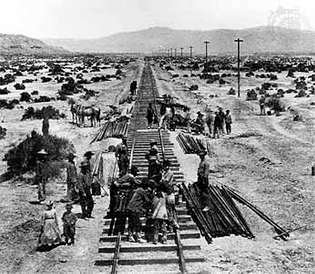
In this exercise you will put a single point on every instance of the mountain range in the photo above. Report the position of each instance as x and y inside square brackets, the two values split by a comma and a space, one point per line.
[159, 39]
[256, 40]
[11, 44]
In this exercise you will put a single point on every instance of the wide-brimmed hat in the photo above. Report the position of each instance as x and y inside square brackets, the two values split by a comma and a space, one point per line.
[202, 153]
[88, 153]
[42, 152]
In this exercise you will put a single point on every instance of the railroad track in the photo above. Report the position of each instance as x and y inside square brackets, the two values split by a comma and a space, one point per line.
[183, 245]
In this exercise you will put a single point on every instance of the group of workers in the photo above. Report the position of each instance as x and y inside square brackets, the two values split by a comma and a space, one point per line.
[212, 124]
[152, 197]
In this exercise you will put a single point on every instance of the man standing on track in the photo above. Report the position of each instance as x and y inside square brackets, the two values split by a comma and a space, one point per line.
[203, 180]
[153, 157]
[150, 115]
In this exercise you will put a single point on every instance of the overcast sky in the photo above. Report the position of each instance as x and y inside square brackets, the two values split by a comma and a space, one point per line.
[97, 18]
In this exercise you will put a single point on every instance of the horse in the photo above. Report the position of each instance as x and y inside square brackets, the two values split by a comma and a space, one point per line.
[92, 112]
[79, 113]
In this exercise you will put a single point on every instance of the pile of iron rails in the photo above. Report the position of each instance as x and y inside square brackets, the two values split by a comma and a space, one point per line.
[191, 144]
[113, 128]
[224, 217]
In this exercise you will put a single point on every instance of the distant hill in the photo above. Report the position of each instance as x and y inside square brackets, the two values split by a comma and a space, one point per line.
[260, 39]
[11, 44]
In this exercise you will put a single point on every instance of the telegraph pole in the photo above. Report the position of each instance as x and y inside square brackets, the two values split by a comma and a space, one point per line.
[181, 52]
[171, 52]
[238, 41]
[190, 48]
[175, 52]
[168, 52]
[206, 42]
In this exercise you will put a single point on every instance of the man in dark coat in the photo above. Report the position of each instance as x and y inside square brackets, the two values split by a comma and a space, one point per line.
[153, 157]
[45, 126]
[84, 187]
[216, 125]
[203, 180]
[72, 177]
[150, 115]
[41, 174]
[138, 206]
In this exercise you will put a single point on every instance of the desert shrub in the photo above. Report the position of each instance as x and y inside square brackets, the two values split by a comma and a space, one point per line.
[49, 111]
[275, 103]
[22, 158]
[43, 99]
[19, 86]
[25, 97]
[8, 104]
[193, 87]
[4, 91]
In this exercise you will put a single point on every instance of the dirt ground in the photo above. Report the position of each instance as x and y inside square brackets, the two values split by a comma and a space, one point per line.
[19, 226]
[271, 168]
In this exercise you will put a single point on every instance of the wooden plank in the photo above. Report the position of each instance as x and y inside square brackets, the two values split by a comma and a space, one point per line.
[144, 261]
[147, 248]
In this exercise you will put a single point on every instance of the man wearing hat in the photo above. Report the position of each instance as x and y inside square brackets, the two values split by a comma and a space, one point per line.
[72, 177]
[41, 174]
[84, 187]
[200, 123]
[209, 120]
[121, 154]
[203, 179]
[153, 157]
[127, 183]
[87, 157]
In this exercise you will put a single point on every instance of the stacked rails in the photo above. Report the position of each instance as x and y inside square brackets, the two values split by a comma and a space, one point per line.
[182, 247]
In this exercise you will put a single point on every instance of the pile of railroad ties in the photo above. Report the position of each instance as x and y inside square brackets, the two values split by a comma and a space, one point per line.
[193, 145]
[117, 127]
[224, 217]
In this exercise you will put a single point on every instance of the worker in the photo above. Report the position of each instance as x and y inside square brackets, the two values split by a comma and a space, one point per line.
[72, 177]
[41, 174]
[171, 190]
[199, 123]
[228, 122]
[203, 180]
[153, 157]
[45, 126]
[216, 125]
[221, 115]
[151, 115]
[127, 182]
[209, 120]
[84, 187]
[262, 105]
[139, 204]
